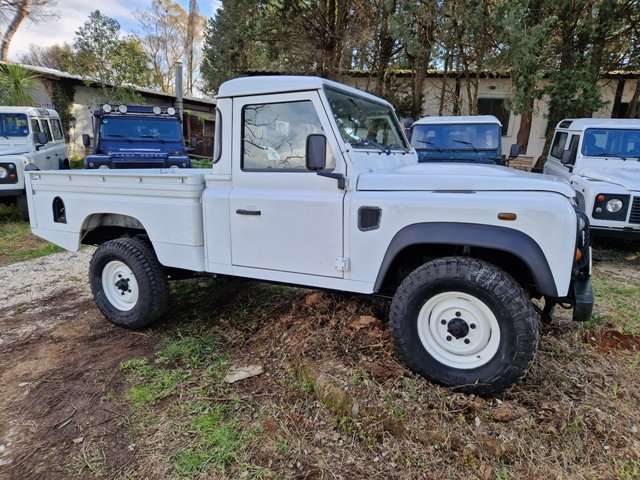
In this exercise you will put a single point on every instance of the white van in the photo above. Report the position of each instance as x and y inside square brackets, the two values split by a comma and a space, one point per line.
[30, 139]
[600, 159]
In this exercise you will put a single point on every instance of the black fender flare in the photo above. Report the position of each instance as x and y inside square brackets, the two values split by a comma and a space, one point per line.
[495, 237]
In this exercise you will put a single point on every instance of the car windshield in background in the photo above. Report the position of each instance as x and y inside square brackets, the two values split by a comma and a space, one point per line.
[609, 142]
[114, 128]
[364, 123]
[456, 137]
[13, 125]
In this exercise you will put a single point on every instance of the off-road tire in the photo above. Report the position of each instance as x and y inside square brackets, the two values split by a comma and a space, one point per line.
[22, 206]
[516, 317]
[153, 287]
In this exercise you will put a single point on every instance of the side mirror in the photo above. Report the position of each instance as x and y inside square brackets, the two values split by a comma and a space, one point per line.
[86, 140]
[41, 138]
[515, 151]
[316, 152]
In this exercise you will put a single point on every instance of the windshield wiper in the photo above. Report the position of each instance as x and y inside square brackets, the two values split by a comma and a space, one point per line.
[373, 143]
[464, 142]
[614, 155]
[427, 142]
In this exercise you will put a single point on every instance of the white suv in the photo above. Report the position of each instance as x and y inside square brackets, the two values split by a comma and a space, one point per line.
[30, 139]
[600, 159]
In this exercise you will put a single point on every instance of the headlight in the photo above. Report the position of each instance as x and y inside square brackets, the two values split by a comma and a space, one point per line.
[4, 173]
[614, 205]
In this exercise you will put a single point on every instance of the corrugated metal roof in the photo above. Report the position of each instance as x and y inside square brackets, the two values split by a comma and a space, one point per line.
[53, 73]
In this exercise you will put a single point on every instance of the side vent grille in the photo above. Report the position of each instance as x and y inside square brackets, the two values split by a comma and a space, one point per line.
[369, 218]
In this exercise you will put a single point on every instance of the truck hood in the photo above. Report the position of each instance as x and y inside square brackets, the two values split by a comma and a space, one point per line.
[459, 177]
[627, 178]
[13, 150]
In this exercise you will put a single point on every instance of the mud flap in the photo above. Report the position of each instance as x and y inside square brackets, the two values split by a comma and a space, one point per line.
[583, 295]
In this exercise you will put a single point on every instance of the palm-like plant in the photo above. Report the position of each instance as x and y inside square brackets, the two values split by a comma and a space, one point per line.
[17, 85]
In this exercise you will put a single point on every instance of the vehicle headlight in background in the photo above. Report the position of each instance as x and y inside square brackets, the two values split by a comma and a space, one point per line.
[122, 108]
[106, 108]
[171, 111]
[611, 206]
[4, 173]
[614, 205]
[157, 110]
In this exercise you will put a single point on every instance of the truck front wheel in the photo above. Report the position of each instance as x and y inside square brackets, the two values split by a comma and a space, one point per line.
[128, 283]
[465, 324]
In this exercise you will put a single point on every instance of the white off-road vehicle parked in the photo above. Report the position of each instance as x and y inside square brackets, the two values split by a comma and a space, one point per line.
[600, 159]
[30, 139]
[315, 184]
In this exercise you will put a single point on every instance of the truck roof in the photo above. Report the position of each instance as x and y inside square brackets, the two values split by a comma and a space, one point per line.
[36, 111]
[584, 123]
[267, 84]
[457, 119]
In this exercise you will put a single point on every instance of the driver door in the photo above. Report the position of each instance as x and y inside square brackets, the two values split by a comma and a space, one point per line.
[283, 216]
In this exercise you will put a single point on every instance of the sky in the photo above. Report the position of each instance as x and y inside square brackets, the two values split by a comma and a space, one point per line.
[71, 14]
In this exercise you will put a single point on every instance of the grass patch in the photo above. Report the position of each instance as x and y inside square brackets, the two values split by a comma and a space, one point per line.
[186, 373]
[16, 241]
[151, 383]
[617, 304]
[216, 441]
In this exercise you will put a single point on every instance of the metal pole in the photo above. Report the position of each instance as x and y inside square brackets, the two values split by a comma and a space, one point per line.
[179, 103]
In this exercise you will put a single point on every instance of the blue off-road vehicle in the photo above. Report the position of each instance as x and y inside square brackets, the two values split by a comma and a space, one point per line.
[136, 136]
[471, 139]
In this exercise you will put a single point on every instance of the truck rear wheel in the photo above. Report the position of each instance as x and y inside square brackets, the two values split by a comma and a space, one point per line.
[128, 283]
[465, 324]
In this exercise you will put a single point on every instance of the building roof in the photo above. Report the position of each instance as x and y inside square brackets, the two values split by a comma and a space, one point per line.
[584, 123]
[59, 74]
[452, 119]
[267, 84]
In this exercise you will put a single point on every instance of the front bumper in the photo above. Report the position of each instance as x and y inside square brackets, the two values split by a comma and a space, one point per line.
[136, 162]
[12, 193]
[617, 233]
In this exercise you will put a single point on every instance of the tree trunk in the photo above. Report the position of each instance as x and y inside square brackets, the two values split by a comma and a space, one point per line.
[444, 84]
[22, 11]
[191, 27]
[524, 132]
[632, 111]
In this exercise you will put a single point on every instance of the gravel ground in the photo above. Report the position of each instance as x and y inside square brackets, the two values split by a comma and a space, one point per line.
[28, 283]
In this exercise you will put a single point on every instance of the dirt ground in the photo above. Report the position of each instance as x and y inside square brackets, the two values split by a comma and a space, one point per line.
[83, 399]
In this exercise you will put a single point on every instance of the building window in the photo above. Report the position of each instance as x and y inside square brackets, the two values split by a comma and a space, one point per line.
[496, 107]
[274, 136]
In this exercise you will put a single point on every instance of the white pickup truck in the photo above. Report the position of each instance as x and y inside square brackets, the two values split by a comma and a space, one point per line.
[600, 159]
[314, 184]
[30, 139]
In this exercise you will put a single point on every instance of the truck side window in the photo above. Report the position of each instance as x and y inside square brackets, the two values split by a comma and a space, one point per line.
[217, 138]
[274, 136]
[47, 129]
[56, 128]
[35, 126]
[559, 142]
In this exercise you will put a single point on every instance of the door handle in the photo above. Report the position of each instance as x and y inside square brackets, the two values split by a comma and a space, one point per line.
[242, 211]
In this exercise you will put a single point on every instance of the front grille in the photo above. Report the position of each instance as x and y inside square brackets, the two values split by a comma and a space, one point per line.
[138, 165]
[635, 211]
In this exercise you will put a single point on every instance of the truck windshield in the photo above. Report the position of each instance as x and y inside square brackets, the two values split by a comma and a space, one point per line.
[13, 125]
[140, 128]
[611, 142]
[456, 137]
[364, 123]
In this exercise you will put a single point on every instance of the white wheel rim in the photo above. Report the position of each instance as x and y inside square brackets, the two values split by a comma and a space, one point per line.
[458, 330]
[119, 285]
